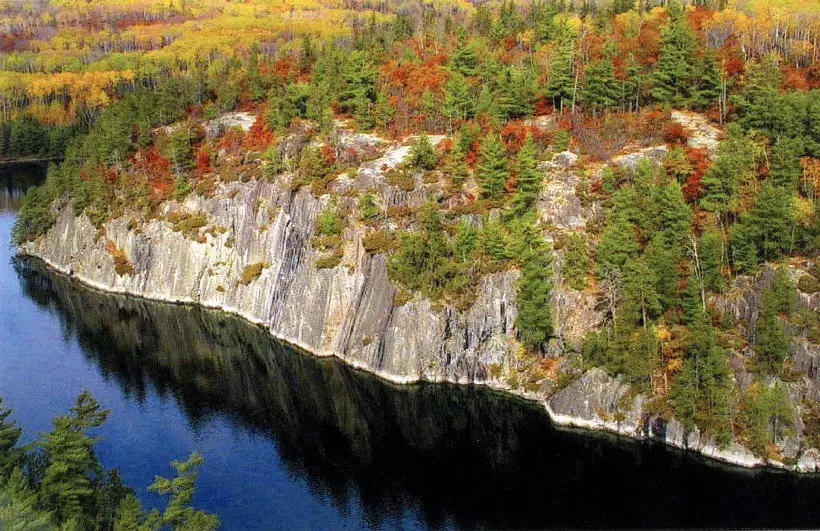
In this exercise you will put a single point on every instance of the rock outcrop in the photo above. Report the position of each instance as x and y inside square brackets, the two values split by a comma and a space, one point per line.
[248, 248]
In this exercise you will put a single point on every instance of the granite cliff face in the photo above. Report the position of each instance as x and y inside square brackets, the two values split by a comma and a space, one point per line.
[253, 255]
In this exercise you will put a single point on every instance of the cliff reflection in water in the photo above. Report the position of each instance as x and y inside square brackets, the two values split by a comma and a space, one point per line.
[458, 455]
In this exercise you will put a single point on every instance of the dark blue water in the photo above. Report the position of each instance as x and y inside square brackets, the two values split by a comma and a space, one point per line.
[292, 441]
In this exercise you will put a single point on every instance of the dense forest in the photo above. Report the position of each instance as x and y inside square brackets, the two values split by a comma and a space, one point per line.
[126, 92]
[57, 481]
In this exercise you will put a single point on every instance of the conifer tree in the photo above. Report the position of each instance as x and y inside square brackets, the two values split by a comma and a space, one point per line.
[534, 320]
[601, 91]
[672, 80]
[72, 466]
[771, 346]
[463, 59]
[179, 514]
[529, 178]
[561, 84]
[493, 171]
[708, 82]
[639, 291]
[10, 433]
[456, 166]
[458, 101]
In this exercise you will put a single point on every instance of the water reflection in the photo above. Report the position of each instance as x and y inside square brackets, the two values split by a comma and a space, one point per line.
[15, 179]
[457, 455]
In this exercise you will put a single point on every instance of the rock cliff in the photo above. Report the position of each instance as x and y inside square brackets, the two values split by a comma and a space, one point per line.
[252, 254]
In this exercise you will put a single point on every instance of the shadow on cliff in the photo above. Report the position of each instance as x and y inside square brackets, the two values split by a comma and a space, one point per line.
[457, 455]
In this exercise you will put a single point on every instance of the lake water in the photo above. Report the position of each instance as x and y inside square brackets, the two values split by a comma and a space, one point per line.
[294, 441]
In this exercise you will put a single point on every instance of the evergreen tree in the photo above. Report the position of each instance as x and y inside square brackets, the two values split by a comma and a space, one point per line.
[702, 390]
[456, 166]
[721, 183]
[710, 253]
[254, 84]
[10, 433]
[767, 415]
[18, 506]
[463, 59]
[639, 291]
[758, 104]
[577, 263]
[178, 513]
[771, 345]
[534, 321]
[601, 91]
[422, 154]
[618, 243]
[561, 84]
[529, 178]
[768, 225]
[458, 100]
[783, 292]
[72, 466]
[707, 83]
[672, 80]
[493, 171]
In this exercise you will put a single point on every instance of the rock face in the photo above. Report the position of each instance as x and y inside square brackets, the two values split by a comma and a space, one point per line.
[251, 253]
[346, 311]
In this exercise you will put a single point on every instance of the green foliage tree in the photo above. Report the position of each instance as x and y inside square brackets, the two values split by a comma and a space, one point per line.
[10, 433]
[577, 262]
[72, 466]
[771, 345]
[703, 389]
[534, 321]
[179, 514]
[493, 171]
[529, 178]
[672, 80]
[423, 155]
[767, 416]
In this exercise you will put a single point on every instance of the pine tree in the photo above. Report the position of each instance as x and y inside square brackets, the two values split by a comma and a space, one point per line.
[422, 154]
[672, 80]
[10, 433]
[577, 263]
[130, 516]
[673, 214]
[254, 84]
[463, 59]
[178, 513]
[702, 391]
[708, 82]
[721, 183]
[458, 100]
[493, 171]
[534, 320]
[639, 291]
[72, 466]
[456, 166]
[758, 103]
[18, 506]
[601, 91]
[771, 346]
[561, 84]
[618, 242]
[529, 178]
[768, 225]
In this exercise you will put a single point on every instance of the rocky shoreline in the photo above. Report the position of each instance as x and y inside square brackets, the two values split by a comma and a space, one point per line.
[589, 402]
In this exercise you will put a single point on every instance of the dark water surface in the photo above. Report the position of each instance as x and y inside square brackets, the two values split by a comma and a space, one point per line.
[293, 441]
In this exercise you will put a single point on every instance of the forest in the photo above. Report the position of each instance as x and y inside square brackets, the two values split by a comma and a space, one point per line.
[486, 92]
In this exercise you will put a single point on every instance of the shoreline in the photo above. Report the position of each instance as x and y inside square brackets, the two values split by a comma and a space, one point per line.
[559, 420]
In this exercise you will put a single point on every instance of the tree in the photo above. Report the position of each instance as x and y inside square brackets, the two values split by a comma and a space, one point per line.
[767, 227]
[601, 91]
[72, 466]
[458, 100]
[702, 390]
[18, 506]
[493, 171]
[529, 178]
[463, 59]
[767, 416]
[422, 154]
[639, 290]
[178, 513]
[10, 433]
[708, 82]
[771, 345]
[721, 182]
[672, 80]
[456, 166]
[577, 263]
[618, 243]
[561, 84]
[534, 321]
